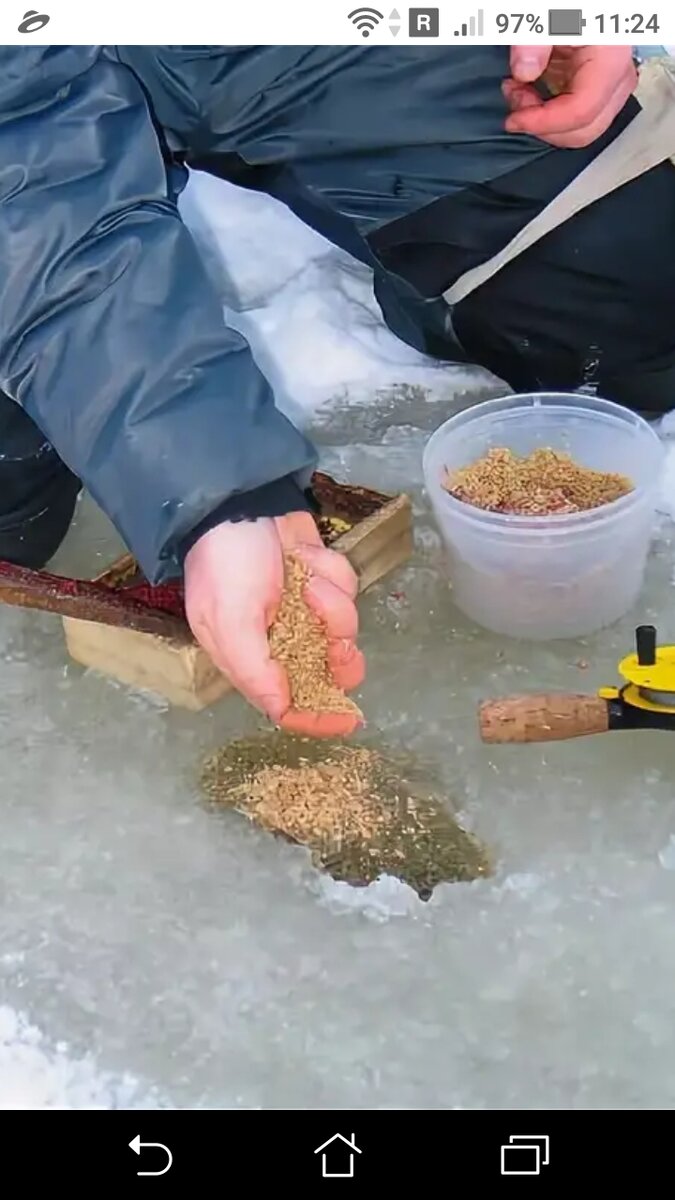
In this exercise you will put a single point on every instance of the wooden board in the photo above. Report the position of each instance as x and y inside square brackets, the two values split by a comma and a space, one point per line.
[181, 671]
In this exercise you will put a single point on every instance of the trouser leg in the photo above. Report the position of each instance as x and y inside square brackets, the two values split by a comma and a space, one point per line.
[37, 491]
[592, 303]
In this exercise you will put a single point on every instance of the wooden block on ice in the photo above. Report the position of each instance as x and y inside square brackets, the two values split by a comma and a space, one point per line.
[372, 529]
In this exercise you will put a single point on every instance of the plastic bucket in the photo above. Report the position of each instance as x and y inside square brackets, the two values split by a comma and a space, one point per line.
[547, 577]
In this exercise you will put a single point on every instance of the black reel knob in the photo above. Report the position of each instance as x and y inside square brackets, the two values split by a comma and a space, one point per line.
[645, 645]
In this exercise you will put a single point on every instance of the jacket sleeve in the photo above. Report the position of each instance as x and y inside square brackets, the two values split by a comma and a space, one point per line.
[111, 335]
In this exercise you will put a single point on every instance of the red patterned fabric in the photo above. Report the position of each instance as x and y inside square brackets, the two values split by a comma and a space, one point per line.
[166, 596]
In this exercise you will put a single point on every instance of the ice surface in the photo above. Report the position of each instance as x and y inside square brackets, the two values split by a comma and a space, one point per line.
[34, 1077]
[164, 952]
[667, 854]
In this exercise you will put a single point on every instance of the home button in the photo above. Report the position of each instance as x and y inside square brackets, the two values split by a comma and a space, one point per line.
[338, 1156]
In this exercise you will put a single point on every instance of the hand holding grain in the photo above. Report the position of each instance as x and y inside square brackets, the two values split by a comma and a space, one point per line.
[234, 584]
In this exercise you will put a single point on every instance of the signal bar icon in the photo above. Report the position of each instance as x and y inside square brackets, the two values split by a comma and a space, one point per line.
[473, 28]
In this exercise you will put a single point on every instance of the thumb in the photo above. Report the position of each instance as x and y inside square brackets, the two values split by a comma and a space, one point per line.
[244, 657]
[529, 62]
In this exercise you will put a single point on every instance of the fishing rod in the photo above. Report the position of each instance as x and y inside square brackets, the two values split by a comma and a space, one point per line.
[645, 701]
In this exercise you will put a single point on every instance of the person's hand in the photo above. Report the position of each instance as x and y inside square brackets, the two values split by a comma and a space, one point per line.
[234, 577]
[591, 85]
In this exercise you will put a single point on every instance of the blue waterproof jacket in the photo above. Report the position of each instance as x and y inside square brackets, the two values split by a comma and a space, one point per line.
[111, 336]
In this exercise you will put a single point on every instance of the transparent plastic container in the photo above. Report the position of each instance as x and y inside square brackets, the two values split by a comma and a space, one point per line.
[547, 577]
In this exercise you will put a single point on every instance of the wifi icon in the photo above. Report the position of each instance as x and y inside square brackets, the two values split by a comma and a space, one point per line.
[365, 20]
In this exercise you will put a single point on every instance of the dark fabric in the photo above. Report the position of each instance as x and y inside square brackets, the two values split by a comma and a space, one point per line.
[369, 133]
[37, 492]
[112, 335]
[592, 303]
[272, 500]
[113, 340]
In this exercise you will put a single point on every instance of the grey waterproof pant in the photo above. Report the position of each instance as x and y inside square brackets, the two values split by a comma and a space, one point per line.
[37, 492]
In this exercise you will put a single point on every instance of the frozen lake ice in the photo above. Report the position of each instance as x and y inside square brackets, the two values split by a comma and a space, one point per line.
[153, 954]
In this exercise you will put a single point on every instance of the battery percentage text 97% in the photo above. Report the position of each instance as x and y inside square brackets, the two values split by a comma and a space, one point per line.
[512, 22]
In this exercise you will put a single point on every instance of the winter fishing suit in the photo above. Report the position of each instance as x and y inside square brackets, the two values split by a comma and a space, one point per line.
[117, 368]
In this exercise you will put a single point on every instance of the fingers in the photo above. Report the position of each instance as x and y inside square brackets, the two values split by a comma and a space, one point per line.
[298, 529]
[529, 62]
[246, 662]
[520, 95]
[332, 599]
[348, 667]
[347, 664]
[233, 584]
[559, 129]
[263, 682]
[233, 576]
[571, 112]
[602, 81]
[255, 674]
[331, 566]
[336, 611]
[319, 725]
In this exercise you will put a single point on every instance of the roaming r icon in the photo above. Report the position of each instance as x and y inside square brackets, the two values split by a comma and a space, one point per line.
[525, 1154]
[423, 22]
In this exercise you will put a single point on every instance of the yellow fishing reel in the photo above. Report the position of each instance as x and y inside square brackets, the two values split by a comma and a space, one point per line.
[646, 701]
[649, 674]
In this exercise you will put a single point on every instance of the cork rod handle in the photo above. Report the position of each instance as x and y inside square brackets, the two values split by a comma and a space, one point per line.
[548, 717]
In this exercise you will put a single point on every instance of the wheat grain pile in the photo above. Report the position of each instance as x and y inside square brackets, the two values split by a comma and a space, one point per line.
[329, 802]
[544, 483]
[298, 641]
[360, 813]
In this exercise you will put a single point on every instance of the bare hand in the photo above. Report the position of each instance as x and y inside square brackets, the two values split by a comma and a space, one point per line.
[592, 84]
[234, 577]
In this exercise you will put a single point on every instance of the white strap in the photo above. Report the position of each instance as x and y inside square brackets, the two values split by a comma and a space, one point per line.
[648, 141]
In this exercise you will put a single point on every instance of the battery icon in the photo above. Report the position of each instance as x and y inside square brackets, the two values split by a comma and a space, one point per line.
[565, 22]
